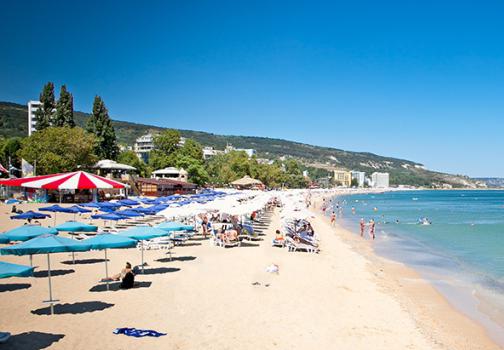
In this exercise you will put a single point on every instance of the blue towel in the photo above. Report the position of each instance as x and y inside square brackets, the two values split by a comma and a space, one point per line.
[137, 333]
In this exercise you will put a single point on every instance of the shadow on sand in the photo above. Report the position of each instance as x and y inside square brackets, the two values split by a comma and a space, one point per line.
[177, 258]
[54, 273]
[31, 341]
[84, 261]
[248, 244]
[155, 271]
[115, 286]
[75, 308]
[13, 286]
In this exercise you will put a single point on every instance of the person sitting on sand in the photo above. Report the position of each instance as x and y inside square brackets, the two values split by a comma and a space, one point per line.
[126, 276]
[279, 236]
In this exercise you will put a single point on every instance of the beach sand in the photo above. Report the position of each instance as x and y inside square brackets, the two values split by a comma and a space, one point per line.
[343, 298]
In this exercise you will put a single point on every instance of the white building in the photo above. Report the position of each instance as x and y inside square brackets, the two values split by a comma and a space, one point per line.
[250, 151]
[170, 173]
[33, 106]
[143, 145]
[210, 152]
[360, 176]
[380, 180]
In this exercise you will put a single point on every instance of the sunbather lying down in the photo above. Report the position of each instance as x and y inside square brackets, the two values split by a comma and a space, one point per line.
[228, 236]
[126, 276]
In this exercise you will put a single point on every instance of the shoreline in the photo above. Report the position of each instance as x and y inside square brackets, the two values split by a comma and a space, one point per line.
[437, 318]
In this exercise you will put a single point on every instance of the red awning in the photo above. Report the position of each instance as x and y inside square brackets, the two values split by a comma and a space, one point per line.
[78, 180]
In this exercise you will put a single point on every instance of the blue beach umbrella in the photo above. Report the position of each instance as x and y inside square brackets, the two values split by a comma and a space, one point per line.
[55, 209]
[109, 205]
[143, 210]
[109, 241]
[14, 270]
[90, 205]
[128, 213]
[79, 209]
[29, 215]
[174, 226]
[127, 202]
[75, 226]
[27, 232]
[109, 216]
[46, 244]
[143, 233]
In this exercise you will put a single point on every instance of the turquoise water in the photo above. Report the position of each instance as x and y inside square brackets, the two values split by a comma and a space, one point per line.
[463, 247]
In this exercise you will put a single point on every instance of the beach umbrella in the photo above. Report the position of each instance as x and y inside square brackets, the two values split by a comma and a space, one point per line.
[12, 201]
[27, 232]
[143, 233]
[109, 216]
[55, 209]
[75, 226]
[79, 209]
[29, 215]
[109, 241]
[46, 244]
[174, 226]
[91, 205]
[77, 180]
[14, 270]
[109, 205]
[143, 210]
[127, 202]
[128, 213]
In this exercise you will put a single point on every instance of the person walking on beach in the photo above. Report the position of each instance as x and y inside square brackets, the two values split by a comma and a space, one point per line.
[362, 227]
[372, 228]
[333, 218]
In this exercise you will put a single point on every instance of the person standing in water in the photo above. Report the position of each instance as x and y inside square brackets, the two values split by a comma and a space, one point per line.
[362, 227]
[372, 228]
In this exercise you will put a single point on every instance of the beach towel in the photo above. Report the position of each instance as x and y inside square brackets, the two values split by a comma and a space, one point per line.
[138, 333]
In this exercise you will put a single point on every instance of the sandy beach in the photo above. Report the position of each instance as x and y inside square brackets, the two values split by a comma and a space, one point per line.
[345, 297]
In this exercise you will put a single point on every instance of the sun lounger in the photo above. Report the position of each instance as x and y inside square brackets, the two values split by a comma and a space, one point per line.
[295, 246]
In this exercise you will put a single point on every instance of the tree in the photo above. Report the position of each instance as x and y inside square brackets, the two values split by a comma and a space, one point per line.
[167, 142]
[100, 125]
[354, 183]
[64, 109]
[130, 158]
[59, 149]
[192, 149]
[8, 151]
[44, 115]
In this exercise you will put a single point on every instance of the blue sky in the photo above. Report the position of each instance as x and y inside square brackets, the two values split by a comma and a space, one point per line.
[419, 80]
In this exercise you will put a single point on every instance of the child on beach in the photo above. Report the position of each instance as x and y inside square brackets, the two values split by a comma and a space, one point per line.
[333, 218]
[362, 227]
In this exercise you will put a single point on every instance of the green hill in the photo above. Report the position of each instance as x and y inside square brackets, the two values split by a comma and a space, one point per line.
[13, 122]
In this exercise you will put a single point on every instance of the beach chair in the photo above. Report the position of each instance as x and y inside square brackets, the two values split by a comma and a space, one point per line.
[295, 246]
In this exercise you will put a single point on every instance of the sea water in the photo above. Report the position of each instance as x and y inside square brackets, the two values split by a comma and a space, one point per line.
[461, 252]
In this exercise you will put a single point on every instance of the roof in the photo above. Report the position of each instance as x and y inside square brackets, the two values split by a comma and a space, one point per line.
[110, 164]
[169, 170]
[246, 181]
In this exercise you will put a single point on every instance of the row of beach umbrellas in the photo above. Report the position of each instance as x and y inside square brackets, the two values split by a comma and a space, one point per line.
[41, 240]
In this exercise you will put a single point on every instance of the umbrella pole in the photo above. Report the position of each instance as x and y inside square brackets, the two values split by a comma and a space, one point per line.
[142, 257]
[50, 286]
[31, 260]
[54, 219]
[106, 269]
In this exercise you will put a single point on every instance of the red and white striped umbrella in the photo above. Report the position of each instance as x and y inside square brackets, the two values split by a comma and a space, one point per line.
[78, 180]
